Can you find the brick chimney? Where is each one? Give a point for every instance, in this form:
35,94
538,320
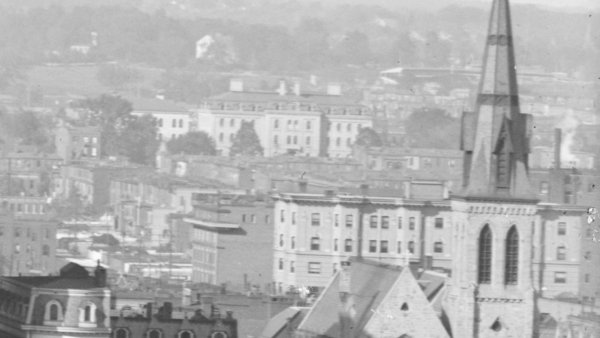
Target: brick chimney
100,276
282,90
236,85
167,310
557,145
149,311
302,185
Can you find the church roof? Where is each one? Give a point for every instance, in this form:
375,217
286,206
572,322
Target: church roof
369,283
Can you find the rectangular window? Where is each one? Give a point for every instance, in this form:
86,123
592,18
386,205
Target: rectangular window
315,243
383,247
244,218
561,253
438,247
399,247
587,278
336,220
348,245
439,223
349,221
372,246
315,219
335,244
294,218
314,268
373,221
411,223
385,222
560,277
411,247
267,219
399,222
544,188
292,267
562,228
282,215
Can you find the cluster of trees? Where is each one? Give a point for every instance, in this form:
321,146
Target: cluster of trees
27,128
293,42
432,128
122,134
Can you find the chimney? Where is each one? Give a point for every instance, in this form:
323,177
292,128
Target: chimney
297,88
100,276
282,90
167,310
236,85
149,311
557,145
364,189
303,185
334,89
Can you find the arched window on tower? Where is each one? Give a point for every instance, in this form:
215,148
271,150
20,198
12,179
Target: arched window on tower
485,256
511,271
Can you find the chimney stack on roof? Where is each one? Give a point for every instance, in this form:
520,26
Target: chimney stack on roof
557,149
282,90
297,88
100,276
334,89
236,85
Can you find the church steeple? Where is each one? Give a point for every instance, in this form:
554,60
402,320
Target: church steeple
495,138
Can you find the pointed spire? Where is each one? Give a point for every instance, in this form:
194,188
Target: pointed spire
495,138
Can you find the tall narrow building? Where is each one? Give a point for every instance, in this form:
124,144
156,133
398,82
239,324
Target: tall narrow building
491,291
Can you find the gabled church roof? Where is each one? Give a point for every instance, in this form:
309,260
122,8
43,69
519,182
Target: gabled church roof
369,295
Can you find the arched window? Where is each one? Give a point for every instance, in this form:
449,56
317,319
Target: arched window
185,334
219,335
485,255
121,333
154,333
511,272
53,312
87,315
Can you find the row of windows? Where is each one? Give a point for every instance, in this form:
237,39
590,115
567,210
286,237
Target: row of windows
315,220
175,123
45,249
54,312
291,140
157,333
293,124
87,140
18,232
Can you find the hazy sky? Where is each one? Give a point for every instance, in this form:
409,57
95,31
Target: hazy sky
559,3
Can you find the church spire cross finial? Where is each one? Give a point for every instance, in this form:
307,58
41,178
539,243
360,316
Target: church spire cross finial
495,138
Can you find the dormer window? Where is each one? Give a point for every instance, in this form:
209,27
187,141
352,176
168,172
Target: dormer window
53,312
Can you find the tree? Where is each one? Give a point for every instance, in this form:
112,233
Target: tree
112,114
367,137
354,49
433,128
246,142
138,140
192,143
106,239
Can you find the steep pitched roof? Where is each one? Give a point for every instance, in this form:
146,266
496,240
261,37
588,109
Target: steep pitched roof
369,283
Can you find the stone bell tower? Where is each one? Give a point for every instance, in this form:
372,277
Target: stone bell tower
490,293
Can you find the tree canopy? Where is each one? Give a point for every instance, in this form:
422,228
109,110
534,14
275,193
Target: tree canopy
122,133
192,143
246,142
367,137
